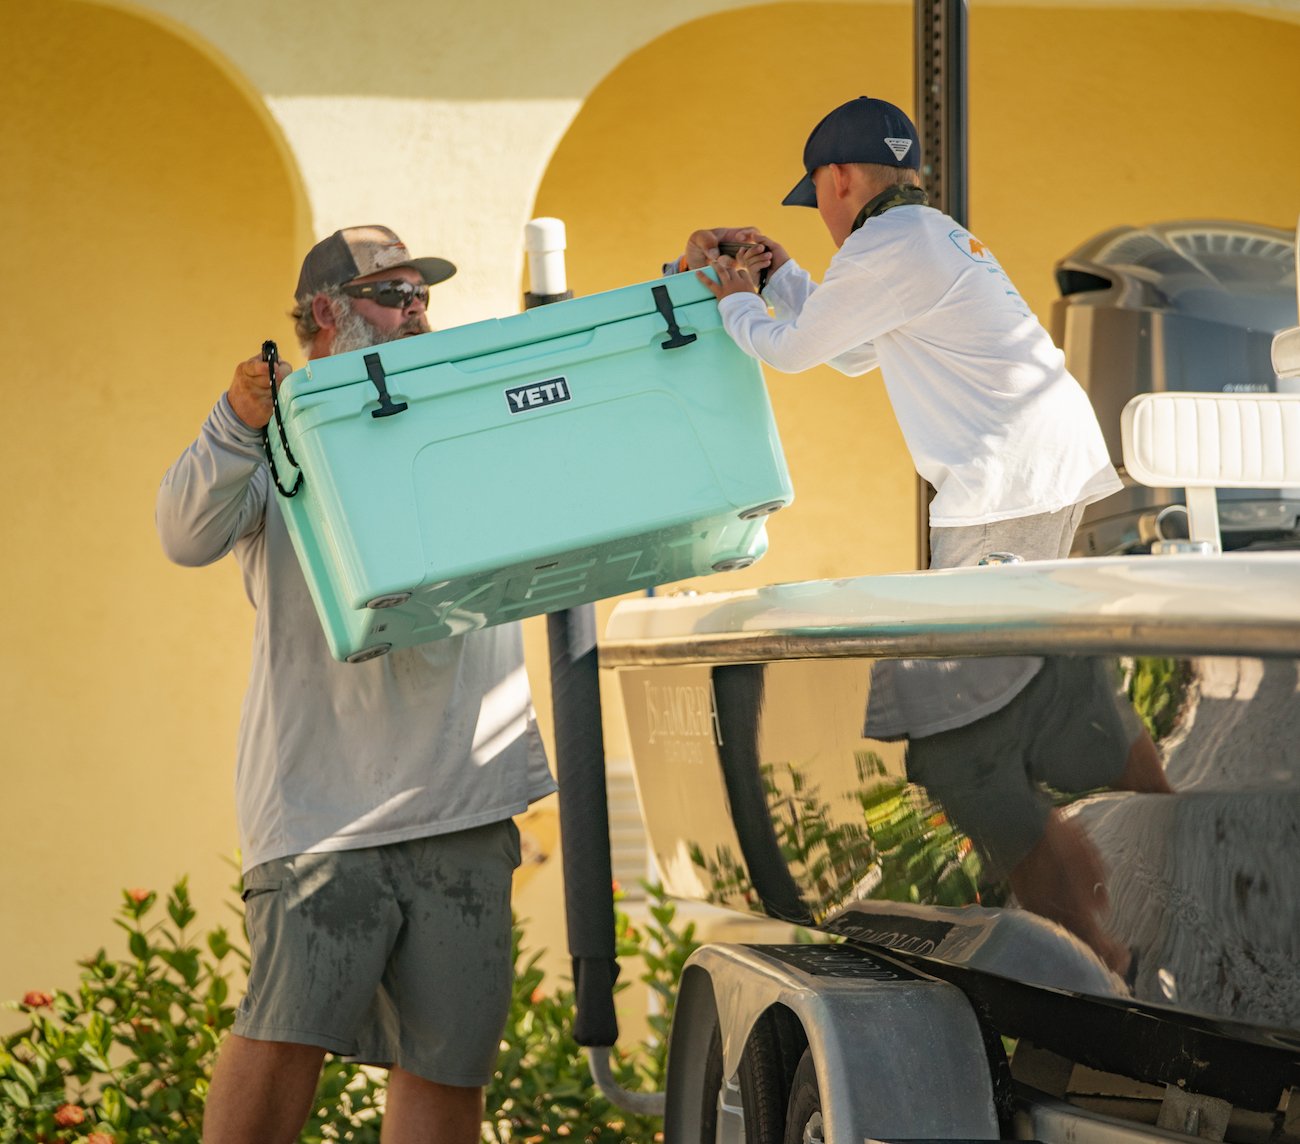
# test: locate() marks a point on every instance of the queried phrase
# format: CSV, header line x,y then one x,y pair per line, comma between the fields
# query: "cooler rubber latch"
x,y
387,406
664,305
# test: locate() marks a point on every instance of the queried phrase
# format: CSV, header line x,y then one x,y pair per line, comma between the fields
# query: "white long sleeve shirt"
x,y
338,756
990,415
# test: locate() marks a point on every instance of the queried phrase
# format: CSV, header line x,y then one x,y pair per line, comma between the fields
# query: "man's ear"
x,y
841,179
323,312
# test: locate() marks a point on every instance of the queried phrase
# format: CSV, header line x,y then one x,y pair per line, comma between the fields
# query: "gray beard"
x,y
353,332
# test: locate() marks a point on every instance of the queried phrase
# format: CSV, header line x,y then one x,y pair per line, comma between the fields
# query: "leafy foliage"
x,y
543,1088
126,1056
1158,688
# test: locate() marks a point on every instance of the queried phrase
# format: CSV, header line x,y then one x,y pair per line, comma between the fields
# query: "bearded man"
x,y
375,800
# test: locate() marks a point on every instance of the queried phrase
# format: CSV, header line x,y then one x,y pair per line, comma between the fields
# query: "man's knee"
x,y
420,1111
261,1091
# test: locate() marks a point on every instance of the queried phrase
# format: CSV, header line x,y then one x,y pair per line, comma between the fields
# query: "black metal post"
x,y
940,67
584,823
941,102
584,807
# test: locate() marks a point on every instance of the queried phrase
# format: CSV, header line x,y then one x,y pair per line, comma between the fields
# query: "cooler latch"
x,y
664,304
375,371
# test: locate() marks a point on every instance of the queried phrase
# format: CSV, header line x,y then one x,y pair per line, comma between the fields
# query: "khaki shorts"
x,y
1069,730
392,955
1044,536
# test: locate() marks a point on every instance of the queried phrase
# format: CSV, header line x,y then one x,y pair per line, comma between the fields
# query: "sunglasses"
x,y
395,293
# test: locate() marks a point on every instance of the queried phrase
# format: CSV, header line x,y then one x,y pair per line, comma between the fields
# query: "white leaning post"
x,y
1286,345
1207,441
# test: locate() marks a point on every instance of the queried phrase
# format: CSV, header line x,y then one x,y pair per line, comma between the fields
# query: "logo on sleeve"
x,y
981,255
899,147
971,247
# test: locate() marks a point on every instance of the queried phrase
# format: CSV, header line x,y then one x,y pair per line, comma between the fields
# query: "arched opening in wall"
x,y
152,240
694,130
705,126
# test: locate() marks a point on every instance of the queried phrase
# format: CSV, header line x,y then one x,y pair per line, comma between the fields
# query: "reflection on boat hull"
x,y
1122,828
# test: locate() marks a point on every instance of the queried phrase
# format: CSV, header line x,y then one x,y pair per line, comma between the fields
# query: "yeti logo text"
x,y
537,394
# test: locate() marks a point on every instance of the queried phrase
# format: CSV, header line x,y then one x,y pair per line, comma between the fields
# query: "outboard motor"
x,y
1189,305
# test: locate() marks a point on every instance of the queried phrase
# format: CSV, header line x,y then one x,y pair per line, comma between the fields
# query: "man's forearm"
x,y
215,493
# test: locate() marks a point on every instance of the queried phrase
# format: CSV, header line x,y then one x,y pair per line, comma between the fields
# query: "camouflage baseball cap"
x,y
357,251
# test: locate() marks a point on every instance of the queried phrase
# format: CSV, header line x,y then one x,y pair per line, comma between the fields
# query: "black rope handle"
x,y
271,355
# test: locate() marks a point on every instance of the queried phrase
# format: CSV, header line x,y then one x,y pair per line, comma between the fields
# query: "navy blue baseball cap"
x,y
864,130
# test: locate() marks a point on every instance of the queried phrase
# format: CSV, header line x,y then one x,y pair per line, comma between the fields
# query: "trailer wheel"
x,y
756,1113
772,1055
712,1093
803,1122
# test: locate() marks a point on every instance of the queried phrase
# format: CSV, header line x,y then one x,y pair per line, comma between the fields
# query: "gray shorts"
x,y
393,955
1069,730
1043,536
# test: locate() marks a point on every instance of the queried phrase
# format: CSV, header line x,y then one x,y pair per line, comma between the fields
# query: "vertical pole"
x,y
941,102
940,69
579,744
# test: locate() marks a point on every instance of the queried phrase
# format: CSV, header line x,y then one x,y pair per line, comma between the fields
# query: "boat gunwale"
x,y
1101,635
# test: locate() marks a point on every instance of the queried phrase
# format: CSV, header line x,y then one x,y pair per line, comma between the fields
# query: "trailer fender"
x,y
898,1054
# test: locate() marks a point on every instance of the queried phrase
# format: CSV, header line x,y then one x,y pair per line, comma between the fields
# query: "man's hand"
x,y
778,252
734,275
702,246
250,390
702,249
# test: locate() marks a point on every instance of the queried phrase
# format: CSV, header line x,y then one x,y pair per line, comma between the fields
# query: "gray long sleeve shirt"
x,y
337,756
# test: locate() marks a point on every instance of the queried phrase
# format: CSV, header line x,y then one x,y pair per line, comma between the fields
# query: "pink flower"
x,y
138,895
68,1115
537,996
35,998
99,1138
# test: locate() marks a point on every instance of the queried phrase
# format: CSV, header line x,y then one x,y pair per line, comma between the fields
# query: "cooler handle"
x,y
664,304
271,355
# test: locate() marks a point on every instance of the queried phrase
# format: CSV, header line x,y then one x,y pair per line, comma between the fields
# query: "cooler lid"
x,y
461,343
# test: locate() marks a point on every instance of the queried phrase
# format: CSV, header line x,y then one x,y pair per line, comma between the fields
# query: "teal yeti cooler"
x,y
522,465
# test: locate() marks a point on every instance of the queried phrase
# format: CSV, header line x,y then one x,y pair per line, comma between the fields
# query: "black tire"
x,y
712,1089
803,1121
767,1069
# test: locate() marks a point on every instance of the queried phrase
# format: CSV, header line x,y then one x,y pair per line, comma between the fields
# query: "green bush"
x,y
543,1088
125,1059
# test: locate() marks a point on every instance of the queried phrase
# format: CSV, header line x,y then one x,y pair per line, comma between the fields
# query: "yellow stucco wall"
x,y
150,227
675,146
169,178
1080,120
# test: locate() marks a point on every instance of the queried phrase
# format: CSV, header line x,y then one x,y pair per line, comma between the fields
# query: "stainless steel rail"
x,y
1103,636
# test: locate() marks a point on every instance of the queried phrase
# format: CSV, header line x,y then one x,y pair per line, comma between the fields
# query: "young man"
x,y
992,419
374,799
